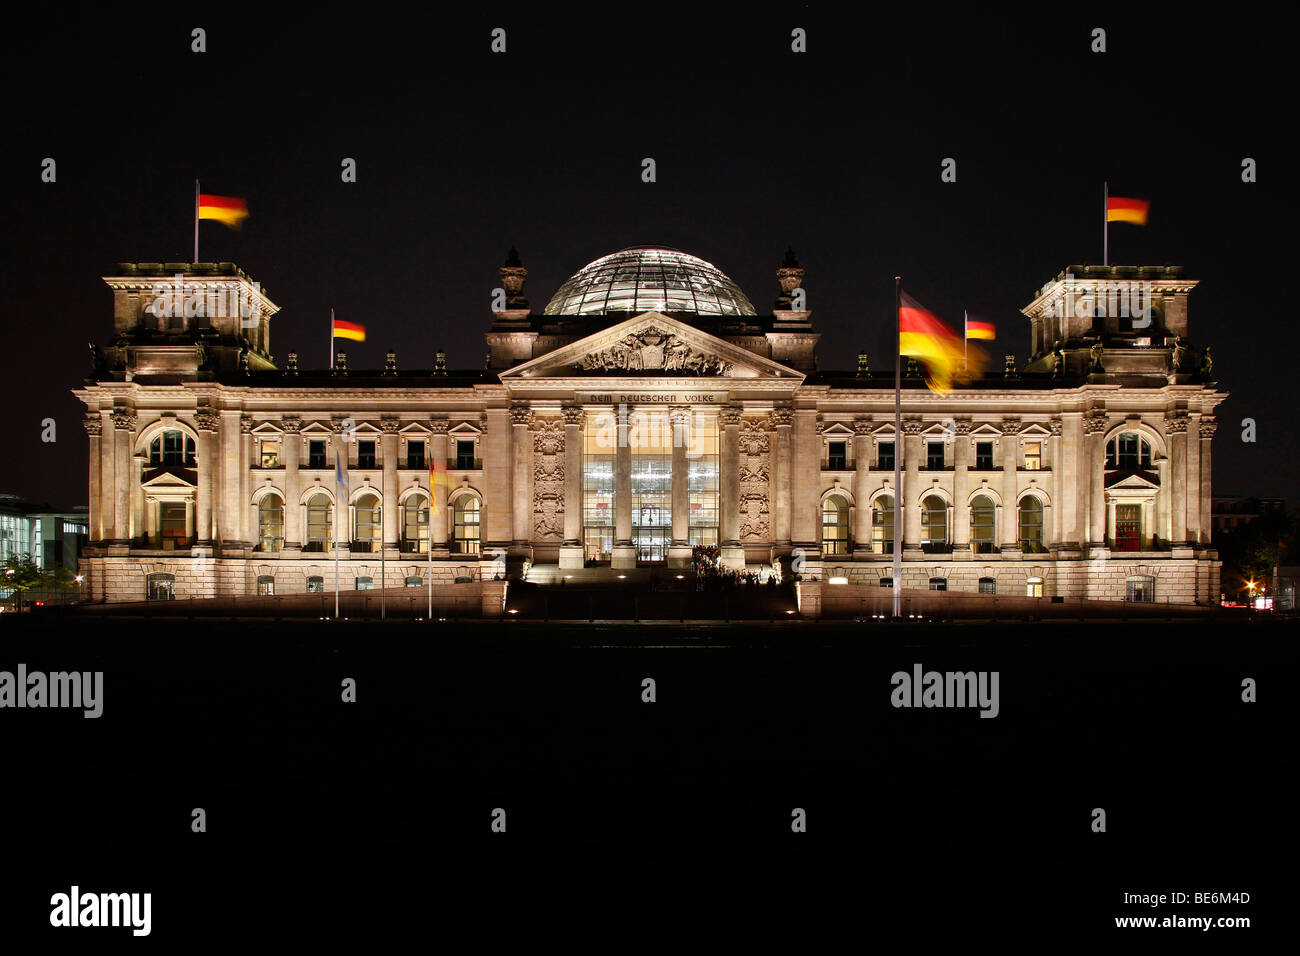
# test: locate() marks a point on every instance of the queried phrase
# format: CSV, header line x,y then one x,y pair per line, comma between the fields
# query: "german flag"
x,y
978,329
923,336
224,209
348,330
438,478
1127,210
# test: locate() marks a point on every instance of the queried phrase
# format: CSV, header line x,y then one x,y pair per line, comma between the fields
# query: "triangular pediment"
x,y
651,345
167,481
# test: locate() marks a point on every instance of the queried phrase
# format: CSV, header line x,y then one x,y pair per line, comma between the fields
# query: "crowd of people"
x,y
711,575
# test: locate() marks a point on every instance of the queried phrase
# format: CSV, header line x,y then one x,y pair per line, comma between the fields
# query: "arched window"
x,y
315,584
983,517
1031,525
265,585
882,526
988,586
369,525
270,523
1034,587
1129,451
415,524
467,515
160,586
171,447
835,525
320,522
934,524
365,583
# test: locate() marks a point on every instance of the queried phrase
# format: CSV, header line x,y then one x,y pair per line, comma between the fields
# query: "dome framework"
x,y
642,278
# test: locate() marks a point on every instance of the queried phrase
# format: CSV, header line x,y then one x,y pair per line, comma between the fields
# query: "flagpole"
x,y
196,221
337,511
428,531
383,547
330,361
965,338
1105,224
898,447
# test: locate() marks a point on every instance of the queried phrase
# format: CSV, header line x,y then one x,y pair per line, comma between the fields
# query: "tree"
x,y
1251,551
21,573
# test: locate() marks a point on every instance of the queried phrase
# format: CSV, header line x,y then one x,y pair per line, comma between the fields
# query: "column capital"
x,y
1208,427
1176,424
94,424
1011,426
573,415
862,425
439,426
124,420
389,425
962,427
1095,423
912,427
1055,426
521,416
246,424
783,416
731,414
291,424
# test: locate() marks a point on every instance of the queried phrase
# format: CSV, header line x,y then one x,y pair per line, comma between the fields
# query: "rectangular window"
x,y
600,440
265,585
171,524
984,456
270,456
366,453
1141,588
838,456
1128,527
988,586
415,454
934,455
316,453
885,457
702,480
1034,587
651,438
1033,455
465,454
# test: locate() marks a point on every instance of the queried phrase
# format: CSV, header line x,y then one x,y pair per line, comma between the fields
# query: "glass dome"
x,y
649,277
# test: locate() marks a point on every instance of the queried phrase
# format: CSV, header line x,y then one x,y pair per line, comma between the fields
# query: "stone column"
x,y
1074,481
123,431
138,463
910,493
1176,430
228,518
521,501
1055,535
438,495
679,552
243,515
861,486
341,526
733,555
1194,480
571,549
1009,452
1207,429
783,421
293,512
390,513
624,554
206,420
961,489
95,515
1094,428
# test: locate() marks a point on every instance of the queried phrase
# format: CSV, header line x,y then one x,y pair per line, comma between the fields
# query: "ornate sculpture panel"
x,y
652,349
548,479
755,473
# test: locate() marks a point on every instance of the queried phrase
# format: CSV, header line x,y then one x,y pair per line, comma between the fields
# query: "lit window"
x,y
365,584
414,581
415,524
1033,455
1031,525
882,525
982,520
160,586
835,525
270,454
467,515
320,523
369,524
265,585
171,525
1128,527
934,524
315,584
1141,588
270,523
1034,587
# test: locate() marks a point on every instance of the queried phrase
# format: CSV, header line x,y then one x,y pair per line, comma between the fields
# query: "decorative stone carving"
x,y
862,426
912,427
962,427
291,425
782,416
246,424
754,477
206,420
1095,423
573,415
124,420
548,479
94,424
390,426
1011,426
520,415
1054,426
731,415
1208,427
438,426
1176,424
655,350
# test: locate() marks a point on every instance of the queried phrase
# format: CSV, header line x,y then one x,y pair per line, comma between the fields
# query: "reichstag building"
x,y
648,410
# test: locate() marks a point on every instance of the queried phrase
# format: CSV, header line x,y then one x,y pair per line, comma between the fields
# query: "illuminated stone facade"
x,y
617,428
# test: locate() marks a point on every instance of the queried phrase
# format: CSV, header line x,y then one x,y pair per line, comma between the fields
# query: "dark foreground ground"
x,y
668,822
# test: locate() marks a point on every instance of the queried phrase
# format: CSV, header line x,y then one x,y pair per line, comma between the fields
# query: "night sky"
x,y
462,153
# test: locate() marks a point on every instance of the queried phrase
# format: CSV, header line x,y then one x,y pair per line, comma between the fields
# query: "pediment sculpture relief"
x,y
653,350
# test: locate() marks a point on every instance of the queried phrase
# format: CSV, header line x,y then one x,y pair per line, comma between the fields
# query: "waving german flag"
x,y
346,330
922,335
225,209
1127,210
